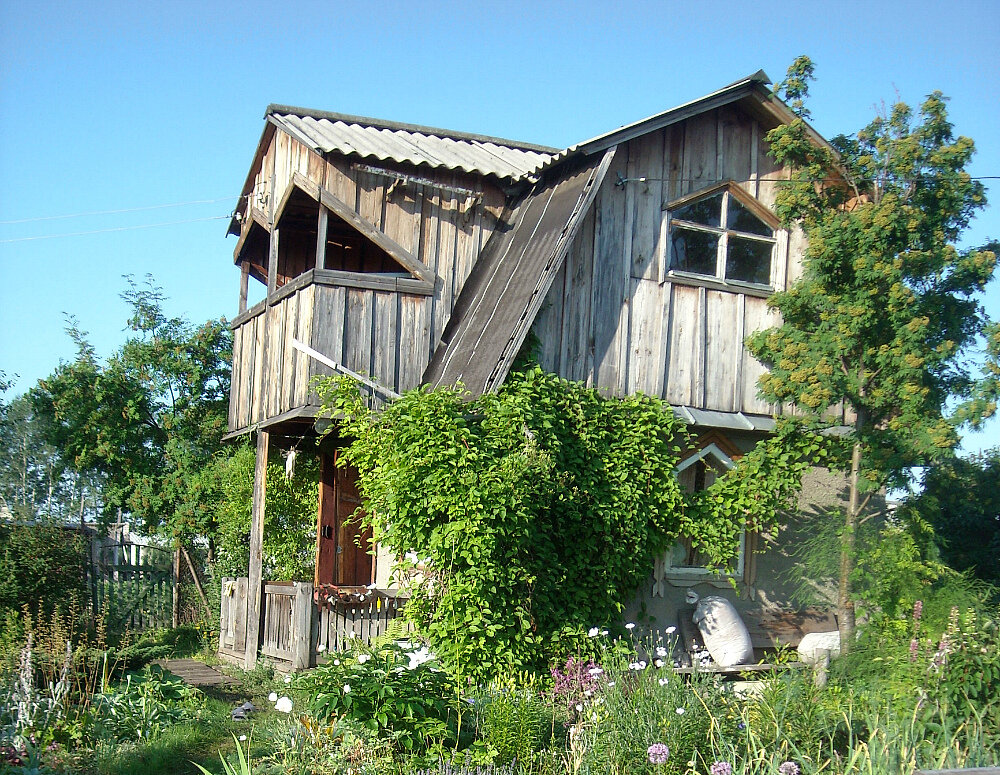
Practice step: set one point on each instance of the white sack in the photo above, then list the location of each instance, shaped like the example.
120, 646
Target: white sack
726, 636
814, 641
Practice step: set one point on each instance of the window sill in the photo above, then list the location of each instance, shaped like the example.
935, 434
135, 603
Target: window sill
714, 283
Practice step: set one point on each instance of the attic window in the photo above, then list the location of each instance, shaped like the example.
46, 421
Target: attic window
722, 233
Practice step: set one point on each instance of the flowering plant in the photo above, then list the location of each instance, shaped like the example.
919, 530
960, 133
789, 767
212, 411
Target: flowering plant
397, 687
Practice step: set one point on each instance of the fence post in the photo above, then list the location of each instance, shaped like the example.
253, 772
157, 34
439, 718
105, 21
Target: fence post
302, 625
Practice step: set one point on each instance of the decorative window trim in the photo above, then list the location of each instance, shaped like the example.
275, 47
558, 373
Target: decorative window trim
724, 233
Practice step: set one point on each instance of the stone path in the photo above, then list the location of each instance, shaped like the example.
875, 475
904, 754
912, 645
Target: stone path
195, 673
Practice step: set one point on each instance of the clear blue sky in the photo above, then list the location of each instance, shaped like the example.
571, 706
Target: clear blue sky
118, 105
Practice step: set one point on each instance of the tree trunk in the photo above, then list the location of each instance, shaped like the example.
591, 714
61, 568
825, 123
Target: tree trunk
845, 600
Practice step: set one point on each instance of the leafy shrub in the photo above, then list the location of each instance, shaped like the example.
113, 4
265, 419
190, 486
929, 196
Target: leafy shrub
514, 721
143, 705
290, 519
396, 688
42, 567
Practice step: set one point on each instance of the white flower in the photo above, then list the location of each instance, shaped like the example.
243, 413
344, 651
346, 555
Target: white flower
419, 656
242, 738
680, 711
670, 630
579, 707
336, 661
593, 632
272, 697
362, 658
660, 651
610, 684
604, 632
663, 681
347, 688
352, 635
321, 648
595, 671
362, 598
284, 704
658, 663
598, 701
630, 626
288, 679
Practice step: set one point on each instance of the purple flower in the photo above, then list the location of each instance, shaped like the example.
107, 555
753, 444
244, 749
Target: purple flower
658, 753
789, 768
721, 768
914, 649
918, 609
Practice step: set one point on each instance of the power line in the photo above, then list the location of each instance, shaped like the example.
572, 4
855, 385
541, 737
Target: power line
120, 228
115, 212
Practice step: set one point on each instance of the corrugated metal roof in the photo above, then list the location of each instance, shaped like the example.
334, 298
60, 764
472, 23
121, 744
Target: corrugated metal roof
385, 141
508, 284
732, 420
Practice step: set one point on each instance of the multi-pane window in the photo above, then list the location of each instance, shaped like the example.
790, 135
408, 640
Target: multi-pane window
720, 236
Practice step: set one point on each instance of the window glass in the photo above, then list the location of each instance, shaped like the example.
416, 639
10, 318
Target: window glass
739, 218
748, 260
707, 212
694, 251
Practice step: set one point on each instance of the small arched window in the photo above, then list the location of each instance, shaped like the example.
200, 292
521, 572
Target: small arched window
724, 233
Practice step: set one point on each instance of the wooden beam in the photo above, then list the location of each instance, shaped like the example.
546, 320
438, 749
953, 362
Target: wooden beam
272, 263
255, 575
244, 285
321, 227
410, 262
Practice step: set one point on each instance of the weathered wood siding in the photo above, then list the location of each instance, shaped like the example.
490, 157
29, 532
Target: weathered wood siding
389, 335
615, 317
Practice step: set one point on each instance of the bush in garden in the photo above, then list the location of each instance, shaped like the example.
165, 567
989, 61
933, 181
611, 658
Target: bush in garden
397, 688
142, 706
42, 567
513, 721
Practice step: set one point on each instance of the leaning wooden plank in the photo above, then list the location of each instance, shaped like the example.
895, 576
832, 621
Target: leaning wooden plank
390, 246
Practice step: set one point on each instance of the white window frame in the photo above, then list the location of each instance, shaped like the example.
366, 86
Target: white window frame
723, 232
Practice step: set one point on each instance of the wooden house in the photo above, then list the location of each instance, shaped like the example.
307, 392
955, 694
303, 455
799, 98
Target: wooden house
640, 259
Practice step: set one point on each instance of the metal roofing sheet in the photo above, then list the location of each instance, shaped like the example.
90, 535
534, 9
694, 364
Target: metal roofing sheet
409, 144
502, 296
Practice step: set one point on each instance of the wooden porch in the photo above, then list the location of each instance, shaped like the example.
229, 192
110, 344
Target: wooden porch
301, 624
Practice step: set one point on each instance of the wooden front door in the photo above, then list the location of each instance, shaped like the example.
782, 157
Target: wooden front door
343, 550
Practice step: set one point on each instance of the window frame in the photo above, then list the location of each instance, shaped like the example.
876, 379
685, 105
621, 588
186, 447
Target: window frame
723, 232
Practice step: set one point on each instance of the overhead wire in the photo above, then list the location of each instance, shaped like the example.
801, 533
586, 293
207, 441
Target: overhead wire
118, 228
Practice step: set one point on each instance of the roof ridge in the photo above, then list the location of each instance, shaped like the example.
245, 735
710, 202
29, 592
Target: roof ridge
379, 123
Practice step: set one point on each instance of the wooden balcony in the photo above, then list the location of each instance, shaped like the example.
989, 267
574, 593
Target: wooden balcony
376, 325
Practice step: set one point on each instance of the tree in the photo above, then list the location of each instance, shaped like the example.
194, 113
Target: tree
150, 420
960, 498
877, 332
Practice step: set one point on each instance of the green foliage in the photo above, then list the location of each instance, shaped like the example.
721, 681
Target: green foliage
148, 421
289, 519
514, 721
42, 566
535, 512
960, 497
143, 706
393, 689
876, 331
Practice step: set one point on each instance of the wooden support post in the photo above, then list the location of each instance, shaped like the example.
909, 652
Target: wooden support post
255, 580
272, 263
302, 626
197, 585
244, 284
321, 226
175, 615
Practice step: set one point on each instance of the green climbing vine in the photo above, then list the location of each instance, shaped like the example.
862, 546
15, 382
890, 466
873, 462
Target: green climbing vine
535, 512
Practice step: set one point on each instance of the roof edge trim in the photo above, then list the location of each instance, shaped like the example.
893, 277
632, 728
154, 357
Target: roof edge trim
275, 109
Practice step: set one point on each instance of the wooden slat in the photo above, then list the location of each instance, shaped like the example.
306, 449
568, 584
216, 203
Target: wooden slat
646, 347
386, 339
608, 288
683, 335
254, 582
722, 351
700, 153
447, 240
755, 318
647, 162
414, 336
358, 331
548, 324
577, 356
303, 332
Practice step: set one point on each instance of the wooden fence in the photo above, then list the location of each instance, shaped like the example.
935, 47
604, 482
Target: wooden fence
133, 585
297, 628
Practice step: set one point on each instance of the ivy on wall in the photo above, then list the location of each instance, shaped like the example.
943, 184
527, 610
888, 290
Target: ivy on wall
535, 512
